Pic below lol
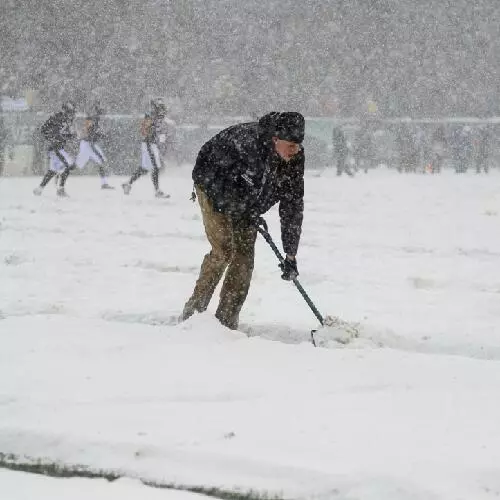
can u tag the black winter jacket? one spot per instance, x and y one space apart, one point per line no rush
242 176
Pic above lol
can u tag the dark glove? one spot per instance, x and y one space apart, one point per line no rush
289 268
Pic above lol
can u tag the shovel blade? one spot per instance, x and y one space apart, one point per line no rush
335 330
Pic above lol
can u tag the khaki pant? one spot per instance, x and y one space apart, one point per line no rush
233 247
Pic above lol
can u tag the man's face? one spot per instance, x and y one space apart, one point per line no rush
285 149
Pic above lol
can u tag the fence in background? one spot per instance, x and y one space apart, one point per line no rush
24 152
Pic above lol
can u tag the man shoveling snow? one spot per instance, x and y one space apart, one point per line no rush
239 175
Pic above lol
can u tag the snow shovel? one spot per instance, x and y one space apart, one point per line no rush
340 331
263 230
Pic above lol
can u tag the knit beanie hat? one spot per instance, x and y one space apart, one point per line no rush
289 126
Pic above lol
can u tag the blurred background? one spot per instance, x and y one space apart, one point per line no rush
367 65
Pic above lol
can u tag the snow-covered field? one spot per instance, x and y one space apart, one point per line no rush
94 372
23 486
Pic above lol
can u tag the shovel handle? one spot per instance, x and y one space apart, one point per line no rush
262 229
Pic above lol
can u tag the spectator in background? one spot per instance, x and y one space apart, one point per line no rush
364 148
6 142
3 144
408 151
423 147
482 146
340 151
462 149
438 149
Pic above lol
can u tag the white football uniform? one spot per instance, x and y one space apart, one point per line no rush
89 152
59 160
150 152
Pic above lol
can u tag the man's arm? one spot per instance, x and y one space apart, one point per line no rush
291 209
